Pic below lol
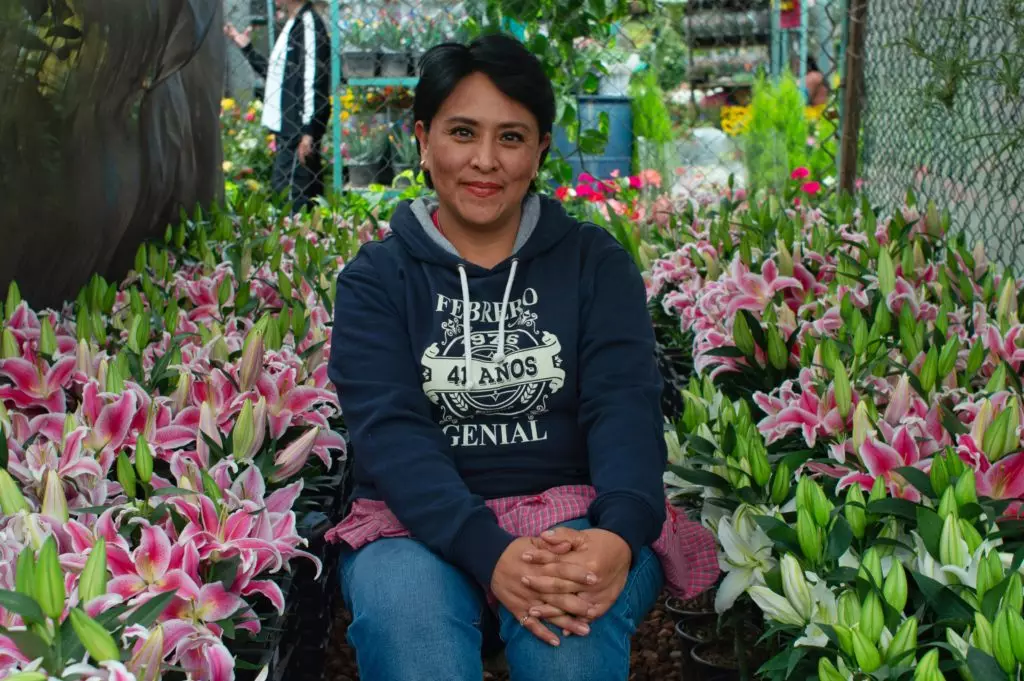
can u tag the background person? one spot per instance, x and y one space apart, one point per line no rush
296 101
494 359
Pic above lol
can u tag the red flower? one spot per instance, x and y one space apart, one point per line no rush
800 173
635 182
811 188
562 193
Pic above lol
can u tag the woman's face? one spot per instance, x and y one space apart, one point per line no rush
482 150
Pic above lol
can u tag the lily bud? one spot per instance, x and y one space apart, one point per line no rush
741 334
970 535
760 469
871 567
948 357
259 430
55 503
848 608
93 581
861 425
966 490
886 273
929 370
1002 645
126 475
180 399
844 635
781 483
995 436
1006 309
904 641
939 476
778 355
47 338
820 505
291 460
827 671
252 357
854 511
877 490
865 652
997 381
1014 595
952 549
1017 635
12 501
794 585
809 536
95 639
25 577
785 258
895 587
928 668
143 460
843 391
8 345
147 662
982 637
872 619
947 504
49 586
27 676
804 498
860 335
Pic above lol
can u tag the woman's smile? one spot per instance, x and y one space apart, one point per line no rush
482 190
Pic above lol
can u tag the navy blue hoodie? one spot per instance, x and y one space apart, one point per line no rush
449 403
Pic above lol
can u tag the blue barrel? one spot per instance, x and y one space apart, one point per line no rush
618 152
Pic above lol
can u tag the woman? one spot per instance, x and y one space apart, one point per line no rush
495 363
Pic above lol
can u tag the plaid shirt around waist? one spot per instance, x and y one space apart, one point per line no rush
685 548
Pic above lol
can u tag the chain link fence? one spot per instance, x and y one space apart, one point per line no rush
674 84
944 115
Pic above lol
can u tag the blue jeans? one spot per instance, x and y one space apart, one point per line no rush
416 616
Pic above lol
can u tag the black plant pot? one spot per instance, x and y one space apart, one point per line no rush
716 659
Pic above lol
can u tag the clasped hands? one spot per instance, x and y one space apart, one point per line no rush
566 577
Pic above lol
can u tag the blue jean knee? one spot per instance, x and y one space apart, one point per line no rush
414 615
602 655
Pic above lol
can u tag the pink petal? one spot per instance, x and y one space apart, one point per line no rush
92 404
179 582
112 425
126 586
906 446
879 458
300 399
153 556
282 500
220 663
23 374
59 374
174 437
863 479
216 603
237 526
50 425
268 589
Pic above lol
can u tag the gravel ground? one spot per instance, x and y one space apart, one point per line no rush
657 654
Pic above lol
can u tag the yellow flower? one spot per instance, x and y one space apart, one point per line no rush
345 115
227 104
252 185
227 166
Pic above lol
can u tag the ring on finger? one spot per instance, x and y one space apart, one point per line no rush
523 619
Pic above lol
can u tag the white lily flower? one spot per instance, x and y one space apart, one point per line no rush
825 611
746 556
774 606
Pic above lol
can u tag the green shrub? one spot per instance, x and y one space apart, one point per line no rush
776 141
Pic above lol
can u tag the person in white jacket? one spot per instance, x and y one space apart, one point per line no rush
296 100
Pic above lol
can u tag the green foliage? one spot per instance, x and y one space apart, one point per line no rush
651 119
776 141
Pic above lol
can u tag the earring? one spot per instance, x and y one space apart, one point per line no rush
423 163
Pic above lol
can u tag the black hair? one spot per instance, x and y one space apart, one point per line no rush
511 67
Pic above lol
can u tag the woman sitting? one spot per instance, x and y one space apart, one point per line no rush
494 359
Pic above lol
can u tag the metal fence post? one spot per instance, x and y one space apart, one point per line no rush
853 86
335 127
271 19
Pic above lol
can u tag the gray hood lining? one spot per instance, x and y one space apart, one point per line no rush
423 209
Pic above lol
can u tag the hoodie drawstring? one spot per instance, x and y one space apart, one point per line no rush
499 355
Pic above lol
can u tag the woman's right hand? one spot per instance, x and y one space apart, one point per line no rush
508 583
240 38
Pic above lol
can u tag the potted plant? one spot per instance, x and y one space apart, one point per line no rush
404 153
363 148
394 56
359 58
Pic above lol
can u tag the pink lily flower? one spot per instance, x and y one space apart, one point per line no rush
805 411
35 383
109 421
287 402
153 567
1005 479
882 460
756 291
210 531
